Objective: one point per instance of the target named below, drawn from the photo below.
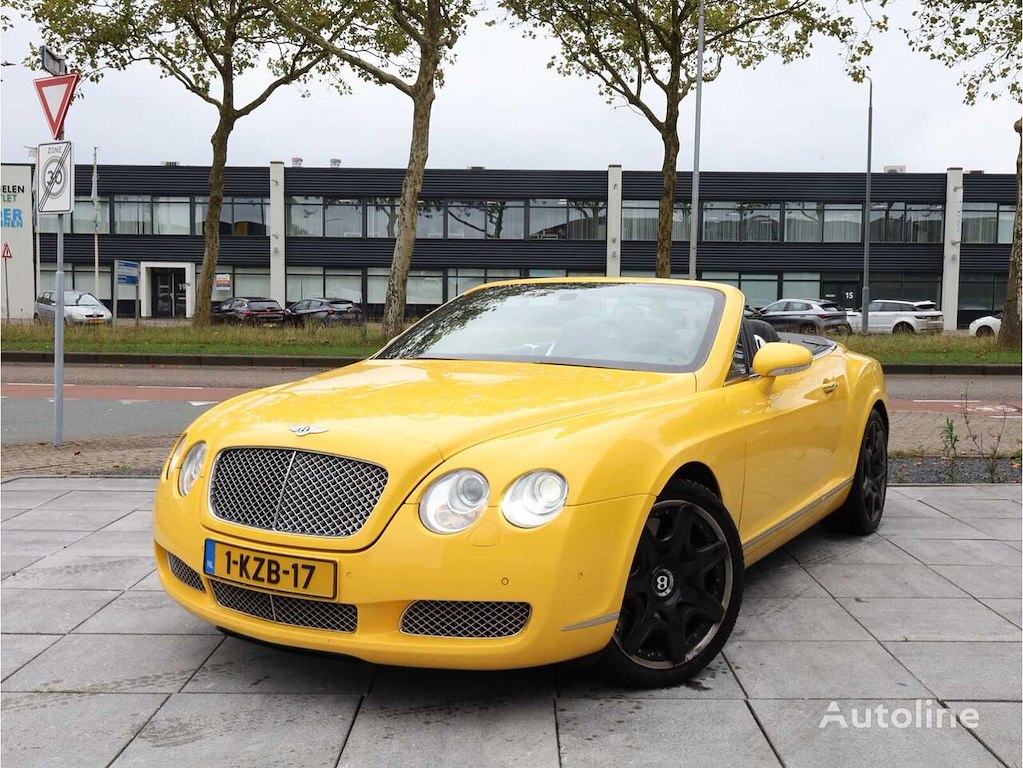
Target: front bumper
(571, 572)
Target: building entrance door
(845, 293)
(167, 291)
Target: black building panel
(170, 180)
(78, 249)
(989, 188)
(984, 258)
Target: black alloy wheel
(862, 510)
(904, 328)
(985, 330)
(683, 591)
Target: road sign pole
(117, 290)
(7, 292)
(58, 339)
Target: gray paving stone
(779, 575)
(438, 686)
(998, 726)
(139, 520)
(899, 506)
(945, 492)
(109, 543)
(82, 572)
(904, 580)
(7, 512)
(1007, 608)
(230, 731)
(952, 619)
(960, 551)
(69, 519)
(608, 733)
(1010, 491)
(122, 484)
(145, 613)
(794, 730)
(12, 564)
(151, 582)
(985, 580)
(715, 681)
(818, 546)
(28, 498)
(57, 611)
(820, 670)
(1003, 529)
(929, 528)
(17, 650)
(238, 666)
(391, 731)
(91, 499)
(62, 484)
(795, 618)
(966, 671)
(48, 729)
(38, 543)
(969, 510)
(115, 664)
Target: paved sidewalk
(100, 668)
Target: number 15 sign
(55, 178)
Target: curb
(288, 361)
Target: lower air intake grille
(296, 611)
(450, 618)
(185, 574)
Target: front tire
(861, 512)
(683, 592)
(905, 328)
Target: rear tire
(985, 330)
(861, 512)
(683, 592)
(808, 328)
(904, 328)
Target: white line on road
(201, 402)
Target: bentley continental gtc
(537, 471)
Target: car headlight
(191, 467)
(455, 501)
(535, 498)
(179, 446)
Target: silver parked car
(806, 316)
(80, 308)
(889, 316)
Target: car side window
(799, 306)
(742, 357)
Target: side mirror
(779, 358)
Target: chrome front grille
(280, 489)
(451, 618)
(296, 611)
(184, 574)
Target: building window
(342, 218)
(305, 216)
(172, 215)
(251, 281)
(760, 222)
(243, 216)
(461, 280)
(381, 217)
(721, 222)
(548, 219)
(988, 222)
(425, 287)
(303, 283)
(907, 286)
(985, 292)
(924, 223)
(587, 220)
(343, 284)
(430, 220)
(376, 284)
(801, 285)
(823, 222)
(888, 223)
(639, 220)
(82, 221)
(133, 215)
(486, 219)
(843, 223)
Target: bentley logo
(306, 429)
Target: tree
(986, 39)
(403, 44)
(198, 44)
(633, 46)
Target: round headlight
(191, 467)
(179, 446)
(455, 501)
(535, 498)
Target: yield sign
(55, 94)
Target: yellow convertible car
(537, 471)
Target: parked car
(80, 308)
(514, 481)
(249, 310)
(986, 326)
(323, 311)
(889, 316)
(806, 316)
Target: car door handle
(830, 385)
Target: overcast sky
(502, 108)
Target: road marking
(161, 386)
(201, 402)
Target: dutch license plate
(297, 575)
(95, 320)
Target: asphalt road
(119, 401)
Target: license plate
(295, 575)
(96, 320)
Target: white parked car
(986, 326)
(889, 316)
(80, 308)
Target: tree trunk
(1009, 337)
(404, 244)
(211, 227)
(669, 178)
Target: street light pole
(866, 211)
(694, 209)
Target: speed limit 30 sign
(55, 178)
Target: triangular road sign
(55, 94)
(7, 251)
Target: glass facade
(988, 222)
(823, 222)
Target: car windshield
(631, 326)
(81, 299)
(264, 305)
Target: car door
(880, 320)
(789, 424)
